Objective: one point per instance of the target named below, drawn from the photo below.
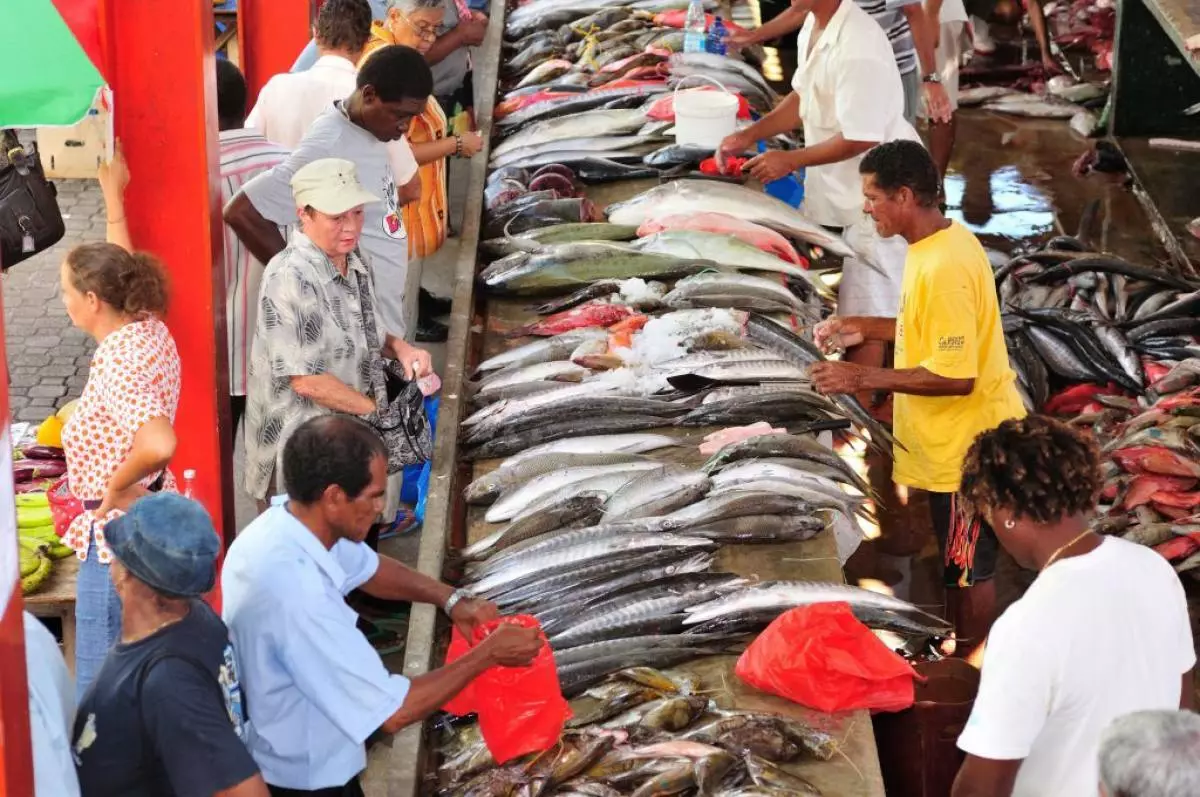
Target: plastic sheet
(822, 657)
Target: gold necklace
(1054, 556)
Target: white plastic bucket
(704, 118)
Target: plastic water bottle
(189, 484)
(716, 37)
(693, 28)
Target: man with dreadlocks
(1102, 631)
(951, 378)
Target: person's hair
(231, 94)
(344, 25)
(396, 73)
(1035, 467)
(330, 450)
(409, 6)
(133, 284)
(1151, 754)
(903, 164)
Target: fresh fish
(1085, 123)
(581, 507)
(578, 125)
(574, 678)
(756, 235)
(1067, 88)
(582, 406)
(598, 444)
(655, 493)
(545, 72)
(769, 776)
(596, 290)
(540, 351)
(697, 196)
(543, 213)
(633, 646)
(728, 250)
(488, 487)
(978, 95)
(530, 493)
(529, 155)
(560, 233)
(702, 285)
(761, 529)
(595, 314)
(589, 551)
(734, 505)
(784, 595)
(553, 371)
(608, 167)
(791, 446)
(585, 263)
(741, 372)
(677, 155)
(653, 609)
(1031, 105)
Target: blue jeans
(97, 619)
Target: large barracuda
(577, 126)
(707, 196)
(574, 265)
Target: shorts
(949, 56)
(967, 544)
(912, 94)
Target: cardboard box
(74, 152)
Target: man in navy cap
(164, 716)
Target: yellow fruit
(49, 433)
(33, 581)
(30, 557)
(44, 534)
(29, 516)
(32, 500)
(65, 411)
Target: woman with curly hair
(1102, 631)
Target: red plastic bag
(822, 657)
(521, 709)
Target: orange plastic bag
(521, 709)
(822, 657)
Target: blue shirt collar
(303, 538)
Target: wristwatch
(455, 598)
(932, 77)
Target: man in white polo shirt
(848, 95)
(290, 102)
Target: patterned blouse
(309, 323)
(134, 378)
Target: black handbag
(400, 406)
(30, 221)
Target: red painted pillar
(164, 93)
(16, 753)
(271, 34)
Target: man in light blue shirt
(51, 713)
(315, 687)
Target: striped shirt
(890, 16)
(244, 154)
(425, 219)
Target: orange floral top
(134, 378)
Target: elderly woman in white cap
(310, 354)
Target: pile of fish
(647, 732)
(1060, 97)
(1073, 316)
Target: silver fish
(489, 486)
(579, 125)
(656, 493)
(632, 443)
(786, 594)
(529, 494)
(545, 350)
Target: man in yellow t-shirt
(951, 379)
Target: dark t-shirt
(187, 737)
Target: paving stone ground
(47, 357)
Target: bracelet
(455, 598)
(458, 146)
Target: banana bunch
(39, 544)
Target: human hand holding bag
(521, 709)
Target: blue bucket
(789, 189)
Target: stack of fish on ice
(1114, 346)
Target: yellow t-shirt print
(949, 324)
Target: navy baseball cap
(168, 542)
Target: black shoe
(432, 306)
(430, 331)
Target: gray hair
(1151, 754)
(409, 6)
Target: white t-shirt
(953, 11)
(848, 84)
(1096, 637)
(290, 102)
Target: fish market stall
(627, 445)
